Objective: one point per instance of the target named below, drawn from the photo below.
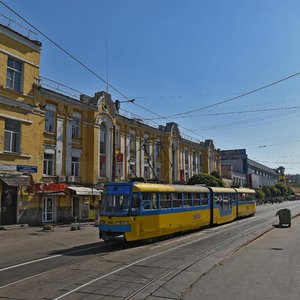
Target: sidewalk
(267, 268)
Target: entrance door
(9, 205)
(48, 209)
(80, 208)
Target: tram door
(9, 205)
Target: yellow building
(58, 146)
(21, 123)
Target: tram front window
(115, 205)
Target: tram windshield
(114, 205)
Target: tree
(205, 179)
(280, 170)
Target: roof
(16, 180)
(152, 187)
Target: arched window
(103, 154)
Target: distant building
(243, 171)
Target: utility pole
(113, 176)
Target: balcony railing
(58, 87)
(18, 28)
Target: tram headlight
(122, 223)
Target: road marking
(46, 258)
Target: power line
(129, 100)
(235, 112)
(237, 97)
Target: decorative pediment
(104, 103)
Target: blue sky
(177, 56)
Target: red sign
(119, 157)
(49, 187)
(181, 175)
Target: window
(48, 164)
(165, 200)
(197, 199)
(150, 201)
(75, 166)
(194, 162)
(132, 142)
(204, 199)
(12, 136)
(117, 137)
(157, 148)
(146, 145)
(14, 74)
(50, 118)
(103, 142)
(146, 170)
(158, 170)
(177, 199)
(187, 199)
(76, 125)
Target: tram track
(169, 272)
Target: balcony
(12, 25)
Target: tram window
(154, 201)
(187, 199)
(197, 199)
(146, 200)
(226, 202)
(177, 199)
(136, 201)
(165, 200)
(218, 199)
(124, 202)
(204, 199)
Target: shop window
(14, 74)
(12, 136)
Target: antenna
(106, 56)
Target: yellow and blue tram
(138, 210)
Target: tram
(138, 210)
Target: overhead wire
(130, 100)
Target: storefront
(10, 192)
(85, 202)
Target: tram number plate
(196, 216)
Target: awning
(84, 191)
(16, 180)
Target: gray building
(243, 171)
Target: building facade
(243, 171)
(58, 146)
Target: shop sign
(49, 187)
(7, 167)
(119, 164)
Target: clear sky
(176, 56)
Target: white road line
(45, 258)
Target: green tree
(280, 170)
(205, 179)
(260, 194)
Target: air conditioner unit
(71, 179)
(61, 178)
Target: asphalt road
(64, 264)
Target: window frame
(13, 136)
(14, 71)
